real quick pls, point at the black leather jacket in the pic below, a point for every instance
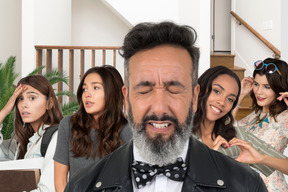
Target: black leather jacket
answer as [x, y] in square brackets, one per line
[207, 170]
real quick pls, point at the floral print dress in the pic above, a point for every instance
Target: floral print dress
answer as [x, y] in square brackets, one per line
[274, 133]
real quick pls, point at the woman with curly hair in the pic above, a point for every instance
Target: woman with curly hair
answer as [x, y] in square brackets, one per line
[96, 129]
[36, 111]
[269, 119]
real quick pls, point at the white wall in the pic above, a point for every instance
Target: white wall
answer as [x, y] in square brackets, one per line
[10, 33]
[284, 30]
[59, 23]
[43, 23]
[148, 10]
[195, 13]
[284, 42]
[255, 13]
[93, 24]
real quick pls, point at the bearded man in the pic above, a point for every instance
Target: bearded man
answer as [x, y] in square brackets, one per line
[161, 69]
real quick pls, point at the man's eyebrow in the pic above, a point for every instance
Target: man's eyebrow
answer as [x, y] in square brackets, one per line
[144, 84]
[224, 89]
[173, 83]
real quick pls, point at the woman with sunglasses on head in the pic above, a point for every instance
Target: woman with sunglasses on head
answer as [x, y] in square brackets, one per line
[269, 119]
[96, 129]
[219, 90]
[36, 111]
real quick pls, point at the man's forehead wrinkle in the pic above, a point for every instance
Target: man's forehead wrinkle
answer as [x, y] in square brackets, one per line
[159, 76]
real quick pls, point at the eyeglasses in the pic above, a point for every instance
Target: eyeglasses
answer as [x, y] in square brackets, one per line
[270, 67]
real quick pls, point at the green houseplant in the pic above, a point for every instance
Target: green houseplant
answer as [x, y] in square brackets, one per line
[7, 78]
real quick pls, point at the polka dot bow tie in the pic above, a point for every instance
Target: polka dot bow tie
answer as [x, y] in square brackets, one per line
[144, 173]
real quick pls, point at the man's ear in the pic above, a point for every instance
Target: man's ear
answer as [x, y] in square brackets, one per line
[195, 97]
[125, 94]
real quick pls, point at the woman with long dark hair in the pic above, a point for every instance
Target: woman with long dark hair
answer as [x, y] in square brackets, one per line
[96, 129]
[219, 90]
[269, 119]
[36, 110]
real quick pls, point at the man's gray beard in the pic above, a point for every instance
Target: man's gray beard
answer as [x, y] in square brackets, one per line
[159, 151]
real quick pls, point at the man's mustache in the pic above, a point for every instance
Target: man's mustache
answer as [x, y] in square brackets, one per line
[162, 118]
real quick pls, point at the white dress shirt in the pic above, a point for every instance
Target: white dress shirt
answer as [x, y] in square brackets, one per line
[160, 183]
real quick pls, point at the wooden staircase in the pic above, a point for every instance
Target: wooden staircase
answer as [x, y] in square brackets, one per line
[227, 59]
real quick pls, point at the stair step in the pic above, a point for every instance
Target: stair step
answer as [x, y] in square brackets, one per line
[222, 59]
[239, 71]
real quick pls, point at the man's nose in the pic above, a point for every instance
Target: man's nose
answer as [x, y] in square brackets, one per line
[160, 103]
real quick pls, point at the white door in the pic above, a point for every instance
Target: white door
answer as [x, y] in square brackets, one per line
[221, 25]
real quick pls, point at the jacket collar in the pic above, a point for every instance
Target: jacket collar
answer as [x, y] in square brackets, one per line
[202, 169]
[117, 172]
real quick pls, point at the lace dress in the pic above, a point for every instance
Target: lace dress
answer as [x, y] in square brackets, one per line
[274, 133]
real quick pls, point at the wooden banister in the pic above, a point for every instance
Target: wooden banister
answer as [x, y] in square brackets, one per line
[40, 58]
[258, 35]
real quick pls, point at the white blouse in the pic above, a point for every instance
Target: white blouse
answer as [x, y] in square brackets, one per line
[46, 183]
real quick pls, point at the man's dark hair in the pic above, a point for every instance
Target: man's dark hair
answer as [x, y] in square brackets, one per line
[149, 35]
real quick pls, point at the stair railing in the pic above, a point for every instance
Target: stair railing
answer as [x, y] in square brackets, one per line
[40, 60]
[258, 35]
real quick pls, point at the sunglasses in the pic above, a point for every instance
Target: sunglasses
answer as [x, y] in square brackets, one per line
[270, 67]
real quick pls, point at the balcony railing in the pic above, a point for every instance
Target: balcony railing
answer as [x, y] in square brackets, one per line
[76, 59]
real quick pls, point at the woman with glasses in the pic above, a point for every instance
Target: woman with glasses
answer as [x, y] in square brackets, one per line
[269, 119]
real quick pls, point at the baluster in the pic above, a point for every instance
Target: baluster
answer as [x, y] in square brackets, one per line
[60, 69]
[39, 59]
[49, 60]
[82, 62]
[103, 57]
[71, 72]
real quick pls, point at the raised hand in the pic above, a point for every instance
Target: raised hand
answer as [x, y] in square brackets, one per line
[11, 102]
[248, 154]
[219, 141]
[246, 85]
[283, 96]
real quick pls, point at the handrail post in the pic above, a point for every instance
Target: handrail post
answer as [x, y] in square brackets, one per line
[93, 58]
[114, 58]
[71, 72]
[60, 69]
[103, 57]
[49, 60]
[82, 63]
[39, 59]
